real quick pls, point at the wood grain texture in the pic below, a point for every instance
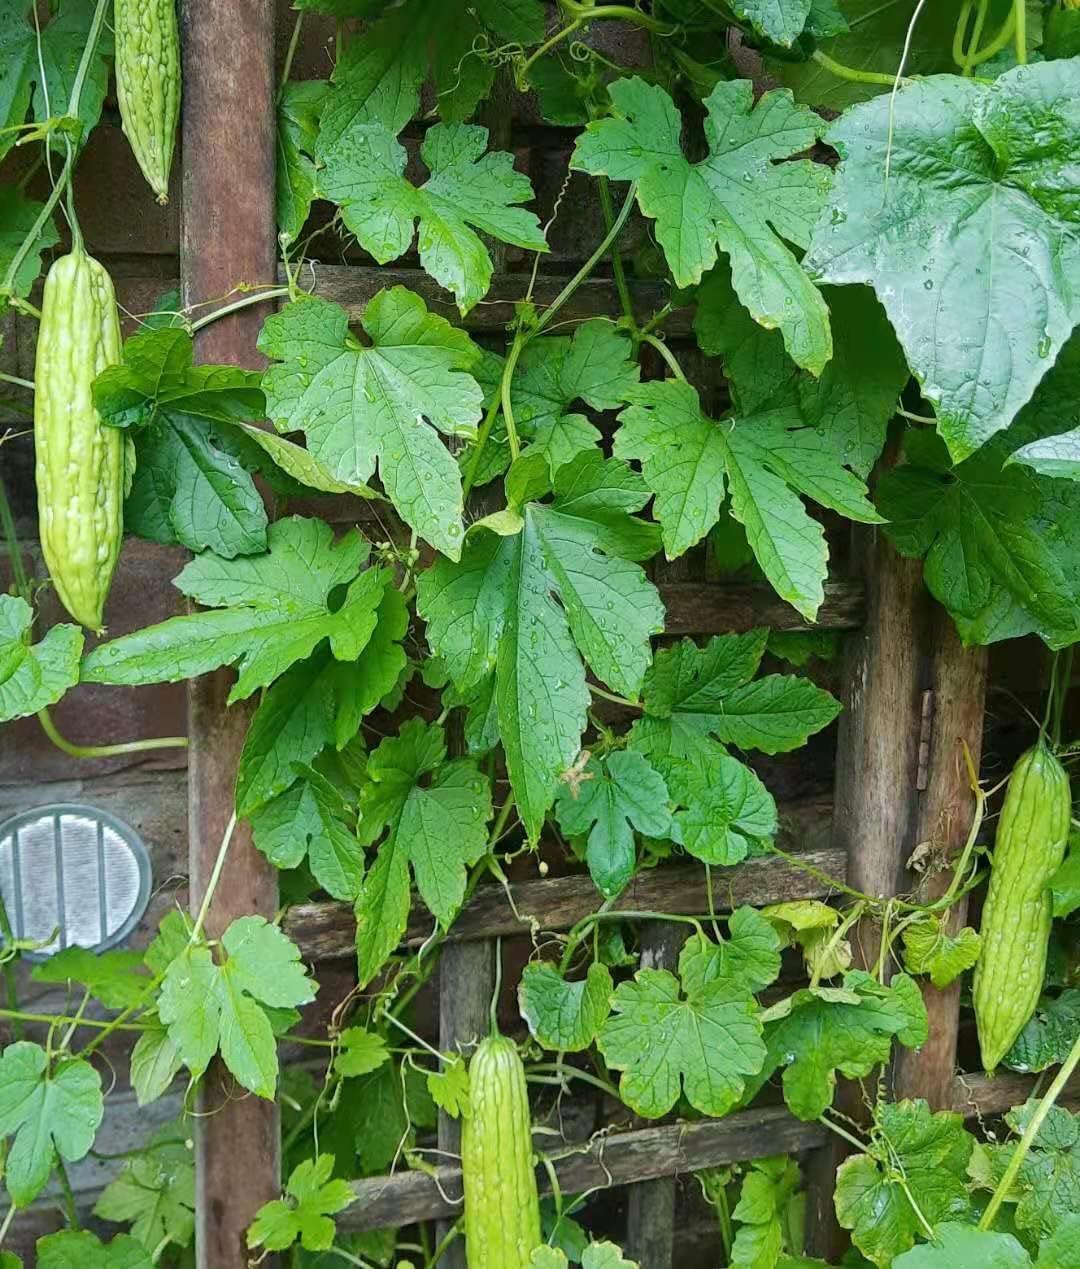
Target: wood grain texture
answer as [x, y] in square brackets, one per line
[228, 236]
[957, 679]
[328, 930]
[618, 1159]
[875, 812]
[466, 984]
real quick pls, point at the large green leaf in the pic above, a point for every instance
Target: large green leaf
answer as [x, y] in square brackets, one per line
[564, 1015]
[813, 1036]
[702, 1040]
[362, 404]
[380, 73]
[18, 216]
[208, 1006]
[952, 201]
[269, 611]
[965, 1247]
[51, 1109]
[495, 613]
[155, 1192]
[1001, 544]
[80, 1249]
[45, 79]
[930, 1153]
[363, 171]
[614, 796]
[742, 200]
[765, 463]
[434, 815]
[298, 109]
[305, 1214]
[33, 676]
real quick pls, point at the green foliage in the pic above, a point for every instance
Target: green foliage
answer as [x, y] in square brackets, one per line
[155, 1192]
[698, 1034]
[740, 201]
[80, 1249]
[360, 404]
[50, 1109]
[972, 179]
[914, 1172]
[930, 949]
[434, 815]
[209, 1005]
[306, 1213]
[563, 1015]
[269, 611]
[298, 109]
[17, 218]
[492, 616]
[363, 171]
[610, 798]
[34, 676]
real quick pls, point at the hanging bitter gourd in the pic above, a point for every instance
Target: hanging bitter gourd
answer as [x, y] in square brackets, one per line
[79, 463]
[502, 1206]
[1028, 849]
[148, 84]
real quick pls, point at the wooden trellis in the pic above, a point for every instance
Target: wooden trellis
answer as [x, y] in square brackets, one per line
[911, 695]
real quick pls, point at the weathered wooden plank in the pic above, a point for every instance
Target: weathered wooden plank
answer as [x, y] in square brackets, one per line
[986, 1095]
[228, 235]
[875, 803]
[352, 286]
[619, 1159]
[327, 930]
[701, 608]
[956, 699]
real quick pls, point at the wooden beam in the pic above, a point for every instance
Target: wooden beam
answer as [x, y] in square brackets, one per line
[228, 236]
[874, 817]
[618, 1159]
[954, 699]
[352, 286]
[325, 931]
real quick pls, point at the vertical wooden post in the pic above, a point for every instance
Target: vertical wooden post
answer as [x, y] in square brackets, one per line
[907, 648]
[957, 681]
[650, 1209]
[874, 809]
[466, 984]
[228, 236]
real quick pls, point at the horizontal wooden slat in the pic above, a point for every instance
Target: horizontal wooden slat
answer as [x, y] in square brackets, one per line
[324, 931]
[992, 1094]
[700, 608]
[670, 1150]
[352, 286]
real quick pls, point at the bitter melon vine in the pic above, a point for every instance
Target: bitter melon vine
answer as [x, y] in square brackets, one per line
[843, 241]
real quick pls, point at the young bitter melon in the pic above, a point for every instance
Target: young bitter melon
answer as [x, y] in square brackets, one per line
[79, 463]
[148, 84]
[1028, 849]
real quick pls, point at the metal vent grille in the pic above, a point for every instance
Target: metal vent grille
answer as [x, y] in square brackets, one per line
[75, 872]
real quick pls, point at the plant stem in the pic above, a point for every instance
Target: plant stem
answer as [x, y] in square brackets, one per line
[617, 12]
[553, 41]
[215, 877]
[19, 383]
[1030, 1133]
[504, 393]
[105, 751]
[291, 52]
[997, 43]
[578, 932]
[7, 1223]
[590, 264]
[59, 1019]
[618, 272]
[69, 1197]
[850, 73]
[11, 982]
[1020, 31]
[478, 448]
[274, 293]
[666, 353]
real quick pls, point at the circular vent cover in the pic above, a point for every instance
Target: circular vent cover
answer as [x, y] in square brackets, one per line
[74, 872]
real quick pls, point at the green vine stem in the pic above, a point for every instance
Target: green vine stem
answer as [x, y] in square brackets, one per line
[105, 751]
[64, 179]
[258, 297]
[1020, 31]
[578, 932]
[19, 383]
[1030, 1133]
[851, 73]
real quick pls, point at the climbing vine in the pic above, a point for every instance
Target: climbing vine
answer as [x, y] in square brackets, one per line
[865, 218]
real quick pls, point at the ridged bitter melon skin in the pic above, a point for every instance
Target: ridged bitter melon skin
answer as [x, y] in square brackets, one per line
[148, 84]
[79, 463]
[1028, 849]
[502, 1206]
